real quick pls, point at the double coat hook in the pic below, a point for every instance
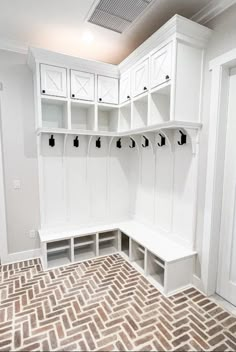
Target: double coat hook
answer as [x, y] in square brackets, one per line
[98, 143]
[133, 144]
[118, 144]
[163, 141]
[76, 142]
[183, 138]
[146, 142]
[51, 141]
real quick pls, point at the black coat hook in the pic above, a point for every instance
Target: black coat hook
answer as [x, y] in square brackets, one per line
[118, 144]
[146, 142]
[98, 143]
[183, 138]
[52, 141]
[76, 142]
[163, 141]
[133, 144]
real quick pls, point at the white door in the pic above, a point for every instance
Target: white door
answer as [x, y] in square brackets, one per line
[125, 87]
[107, 90]
[140, 78]
[53, 80]
[226, 283]
[161, 66]
[82, 85]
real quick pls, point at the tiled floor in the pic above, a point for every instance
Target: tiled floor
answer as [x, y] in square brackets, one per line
[104, 304]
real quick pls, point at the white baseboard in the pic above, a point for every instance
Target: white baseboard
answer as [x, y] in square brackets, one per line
[21, 256]
[197, 283]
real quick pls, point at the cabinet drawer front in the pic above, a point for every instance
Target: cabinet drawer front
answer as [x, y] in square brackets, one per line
[82, 85]
[140, 78]
[125, 87]
[161, 66]
[107, 90]
[53, 80]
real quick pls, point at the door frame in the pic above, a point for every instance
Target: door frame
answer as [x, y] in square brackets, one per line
[3, 222]
[219, 68]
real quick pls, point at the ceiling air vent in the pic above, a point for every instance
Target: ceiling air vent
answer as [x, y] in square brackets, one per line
[117, 15]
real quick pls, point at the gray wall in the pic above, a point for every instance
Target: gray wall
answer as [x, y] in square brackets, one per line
[19, 151]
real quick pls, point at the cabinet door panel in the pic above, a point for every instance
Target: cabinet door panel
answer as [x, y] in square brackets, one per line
[161, 66]
[53, 80]
[107, 90]
[82, 85]
[125, 87]
[140, 78]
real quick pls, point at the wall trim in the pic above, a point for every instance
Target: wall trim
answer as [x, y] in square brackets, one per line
[21, 256]
[211, 10]
[13, 45]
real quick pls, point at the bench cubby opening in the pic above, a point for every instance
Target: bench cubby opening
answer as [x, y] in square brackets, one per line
[137, 254]
[84, 247]
[108, 242]
[156, 269]
[58, 253]
[125, 244]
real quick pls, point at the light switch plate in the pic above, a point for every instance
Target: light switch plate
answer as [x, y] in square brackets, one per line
[16, 184]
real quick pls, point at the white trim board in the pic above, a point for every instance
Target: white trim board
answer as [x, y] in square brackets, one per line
[22, 256]
[215, 170]
[211, 10]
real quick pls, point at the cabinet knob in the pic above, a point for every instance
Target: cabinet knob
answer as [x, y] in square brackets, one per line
[43, 91]
[128, 97]
[100, 99]
[72, 95]
[167, 77]
[144, 88]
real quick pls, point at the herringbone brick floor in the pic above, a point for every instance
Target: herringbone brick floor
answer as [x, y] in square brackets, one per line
[104, 304]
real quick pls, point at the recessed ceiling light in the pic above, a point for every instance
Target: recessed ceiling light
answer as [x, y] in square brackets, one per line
[87, 37]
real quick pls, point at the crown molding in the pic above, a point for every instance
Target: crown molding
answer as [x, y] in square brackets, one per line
[12, 45]
[211, 10]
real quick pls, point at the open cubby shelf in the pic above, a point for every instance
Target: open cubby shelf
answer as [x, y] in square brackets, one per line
[125, 117]
[125, 244]
[137, 254]
[54, 113]
[108, 242]
[156, 268]
[82, 116]
[140, 112]
[108, 118]
[159, 106]
[84, 247]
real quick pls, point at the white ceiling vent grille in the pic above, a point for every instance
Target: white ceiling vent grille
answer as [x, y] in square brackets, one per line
[117, 15]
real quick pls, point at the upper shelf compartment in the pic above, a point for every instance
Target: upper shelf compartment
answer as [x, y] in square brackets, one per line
[54, 113]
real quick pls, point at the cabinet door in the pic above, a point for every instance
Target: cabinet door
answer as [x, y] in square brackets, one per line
[82, 85]
[107, 90]
[161, 66]
[125, 87]
[53, 80]
[140, 78]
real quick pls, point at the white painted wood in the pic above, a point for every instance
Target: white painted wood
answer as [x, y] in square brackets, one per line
[139, 78]
[108, 90]
[226, 283]
[82, 85]
[161, 64]
[53, 80]
[125, 87]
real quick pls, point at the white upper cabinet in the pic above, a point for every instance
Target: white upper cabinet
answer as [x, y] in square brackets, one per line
[125, 87]
[53, 80]
[161, 65]
[107, 90]
[140, 78]
[82, 85]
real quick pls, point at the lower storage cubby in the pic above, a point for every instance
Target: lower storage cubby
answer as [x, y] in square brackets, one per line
[137, 254]
[108, 242]
[125, 244]
[155, 269]
[58, 253]
[84, 247]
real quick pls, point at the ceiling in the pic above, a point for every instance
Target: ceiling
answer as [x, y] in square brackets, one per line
[60, 25]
